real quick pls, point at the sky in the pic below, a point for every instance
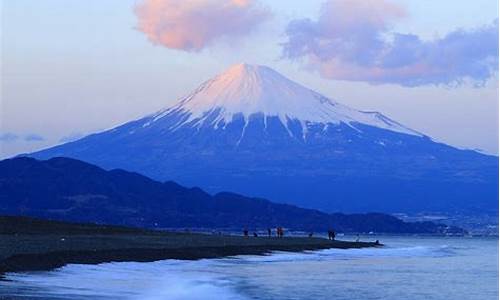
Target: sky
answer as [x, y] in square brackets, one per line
[71, 68]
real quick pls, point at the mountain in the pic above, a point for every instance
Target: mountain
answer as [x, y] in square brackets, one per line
[72, 190]
[251, 130]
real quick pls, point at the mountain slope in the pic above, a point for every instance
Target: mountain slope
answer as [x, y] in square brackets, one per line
[69, 189]
[251, 130]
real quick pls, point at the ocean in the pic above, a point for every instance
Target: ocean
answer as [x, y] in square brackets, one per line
[406, 268]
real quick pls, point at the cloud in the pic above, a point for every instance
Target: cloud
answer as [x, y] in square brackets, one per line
[192, 25]
[33, 137]
[12, 137]
[8, 137]
[351, 40]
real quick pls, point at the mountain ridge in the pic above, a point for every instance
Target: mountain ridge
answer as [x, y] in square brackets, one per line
[72, 190]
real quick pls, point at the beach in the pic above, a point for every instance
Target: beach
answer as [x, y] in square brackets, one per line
[406, 268]
[32, 244]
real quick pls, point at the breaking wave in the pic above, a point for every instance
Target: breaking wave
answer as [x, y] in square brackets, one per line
[328, 254]
[175, 279]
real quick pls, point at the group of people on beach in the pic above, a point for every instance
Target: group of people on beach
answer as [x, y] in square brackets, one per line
[280, 232]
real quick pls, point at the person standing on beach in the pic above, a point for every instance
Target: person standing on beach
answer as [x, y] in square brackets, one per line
[279, 232]
[245, 232]
[269, 232]
[331, 234]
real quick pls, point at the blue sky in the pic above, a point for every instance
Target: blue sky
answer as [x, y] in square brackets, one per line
[75, 67]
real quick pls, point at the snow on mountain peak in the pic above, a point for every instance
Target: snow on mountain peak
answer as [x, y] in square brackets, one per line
[253, 89]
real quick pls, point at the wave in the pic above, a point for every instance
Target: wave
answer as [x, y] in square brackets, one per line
[169, 279]
[175, 279]
[328, 254]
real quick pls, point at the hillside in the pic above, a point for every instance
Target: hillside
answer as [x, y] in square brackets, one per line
[68, 189]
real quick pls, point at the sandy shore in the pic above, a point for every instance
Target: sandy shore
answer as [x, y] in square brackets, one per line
[29, 245]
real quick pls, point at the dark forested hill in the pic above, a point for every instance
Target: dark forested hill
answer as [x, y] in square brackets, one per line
[69, 189]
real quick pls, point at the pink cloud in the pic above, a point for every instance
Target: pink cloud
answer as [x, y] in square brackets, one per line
[352, 40]
[191, 25]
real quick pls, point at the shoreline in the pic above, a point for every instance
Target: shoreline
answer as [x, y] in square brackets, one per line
[45, 261]
[28, 244]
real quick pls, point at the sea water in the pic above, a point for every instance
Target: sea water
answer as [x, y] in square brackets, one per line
[406, 268]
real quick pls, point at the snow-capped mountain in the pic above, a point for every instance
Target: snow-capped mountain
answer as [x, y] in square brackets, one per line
[249, 90]
[252, 130]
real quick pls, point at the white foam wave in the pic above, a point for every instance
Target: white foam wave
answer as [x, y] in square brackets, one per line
[169, 279]
[175, 279]
[329, 254]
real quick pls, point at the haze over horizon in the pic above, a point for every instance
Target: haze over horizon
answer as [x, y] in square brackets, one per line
[119, 61]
